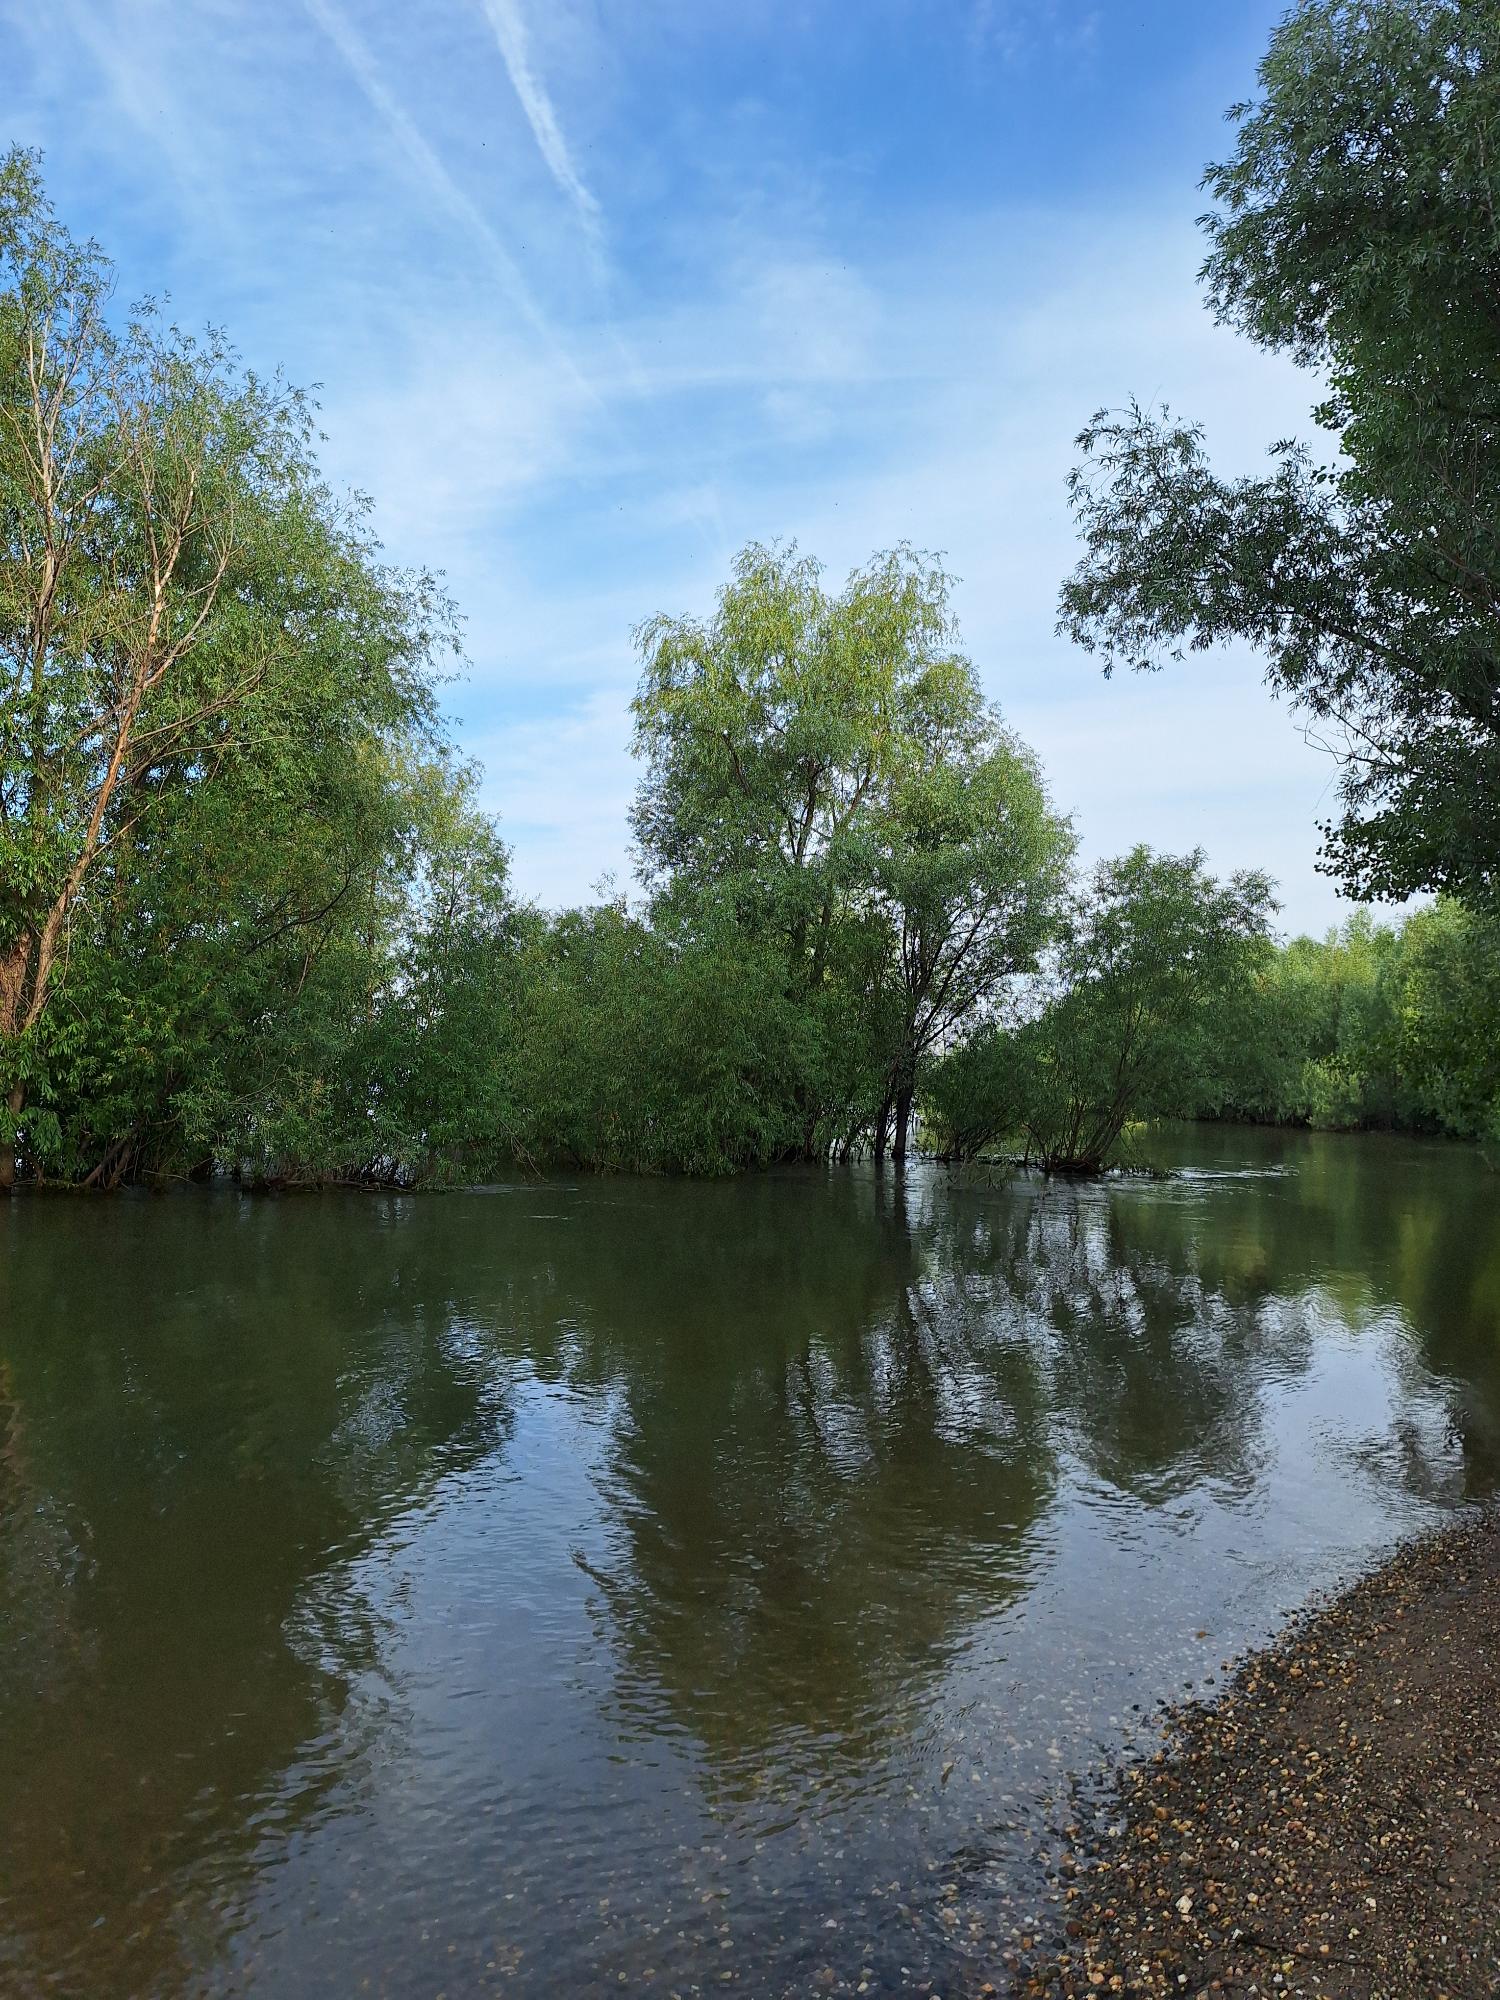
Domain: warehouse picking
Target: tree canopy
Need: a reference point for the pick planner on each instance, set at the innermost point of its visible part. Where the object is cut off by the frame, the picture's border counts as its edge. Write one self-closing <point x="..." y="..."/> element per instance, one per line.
<point x="218" y="733"/>
<point x="1354" y="228"/>
<point x="829" y="765"/>
<point x="1152" y="951"/>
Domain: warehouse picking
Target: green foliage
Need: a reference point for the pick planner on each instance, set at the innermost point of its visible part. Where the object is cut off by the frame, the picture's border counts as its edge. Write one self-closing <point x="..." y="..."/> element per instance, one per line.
<point x="1383" y="1026"/>
<point x="319" y="1003"/>
<point x="1448" y="1005"/>
<point x="642" y="1050"/>
<point x="971" y="864"/>
<point x="1313" y="1040"/>
<point x="210" y="689"/>
<point x="1355" y="230"/>
<point x="1154" y="947"/>
<point x="1374" y="1025"/>
<point x="825" y="768"/>
<point x="766" y="730"/>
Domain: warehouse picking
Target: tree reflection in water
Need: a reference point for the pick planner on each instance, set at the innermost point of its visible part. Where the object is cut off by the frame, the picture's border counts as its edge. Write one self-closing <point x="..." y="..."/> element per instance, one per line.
<point x="638" y="1577"/>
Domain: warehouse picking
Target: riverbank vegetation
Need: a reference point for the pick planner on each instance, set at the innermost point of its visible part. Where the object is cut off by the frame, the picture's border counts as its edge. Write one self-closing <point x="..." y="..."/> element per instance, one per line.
<point x="253" y="918"/>
<point x="1379" y="1026"/>
<point x="1174" y="1001"/>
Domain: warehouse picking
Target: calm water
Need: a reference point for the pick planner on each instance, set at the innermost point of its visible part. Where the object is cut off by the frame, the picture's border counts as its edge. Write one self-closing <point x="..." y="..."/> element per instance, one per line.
<point x="665" y="1588"/>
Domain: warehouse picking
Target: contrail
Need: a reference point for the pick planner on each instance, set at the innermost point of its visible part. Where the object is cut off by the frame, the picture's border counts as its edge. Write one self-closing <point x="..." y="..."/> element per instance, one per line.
<point x="144" y="97"/>
<point x="421" y="155"/>
<point x="509" y="24"/>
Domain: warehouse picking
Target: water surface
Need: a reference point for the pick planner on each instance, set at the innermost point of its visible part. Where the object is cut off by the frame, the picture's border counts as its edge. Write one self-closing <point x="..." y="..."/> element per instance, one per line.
<point x="668" y="1588"/>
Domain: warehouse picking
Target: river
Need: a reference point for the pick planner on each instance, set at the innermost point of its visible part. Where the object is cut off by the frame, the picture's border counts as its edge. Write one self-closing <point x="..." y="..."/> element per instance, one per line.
<point x="663" y="1588"/>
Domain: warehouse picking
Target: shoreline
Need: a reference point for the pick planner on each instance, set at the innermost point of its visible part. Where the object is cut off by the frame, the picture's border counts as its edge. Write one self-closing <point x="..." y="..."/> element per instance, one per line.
<point x="1328" y="1825"/>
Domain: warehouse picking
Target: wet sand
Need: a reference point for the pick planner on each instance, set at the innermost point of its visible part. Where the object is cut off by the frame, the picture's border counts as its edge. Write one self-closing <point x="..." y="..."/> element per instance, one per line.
<point x="1330" y="1825"/>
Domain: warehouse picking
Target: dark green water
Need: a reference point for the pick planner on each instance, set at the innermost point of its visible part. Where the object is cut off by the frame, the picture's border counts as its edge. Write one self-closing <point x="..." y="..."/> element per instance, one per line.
<point x="654" y="1588"/>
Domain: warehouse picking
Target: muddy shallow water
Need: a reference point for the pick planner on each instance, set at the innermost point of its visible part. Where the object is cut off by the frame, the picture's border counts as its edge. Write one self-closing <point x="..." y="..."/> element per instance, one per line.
<point x="658" y="1587"/>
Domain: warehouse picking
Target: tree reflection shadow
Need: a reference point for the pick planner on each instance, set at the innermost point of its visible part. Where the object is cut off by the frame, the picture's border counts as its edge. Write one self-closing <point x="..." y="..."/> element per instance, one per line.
<point x="204" y="1417"/>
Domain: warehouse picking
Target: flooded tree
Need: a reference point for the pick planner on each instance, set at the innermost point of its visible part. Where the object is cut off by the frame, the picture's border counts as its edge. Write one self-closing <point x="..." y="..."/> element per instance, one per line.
<point x="827" y="764"/>
<point x="1153" y="947"/>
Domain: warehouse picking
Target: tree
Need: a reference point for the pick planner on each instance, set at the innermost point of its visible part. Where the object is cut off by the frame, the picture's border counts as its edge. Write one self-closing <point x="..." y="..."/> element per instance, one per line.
<point x="1312" y="1039"/>
<point x="441" y="1076"/>
<point x="1448" y="1004"/>
<point x="768" y="731"/>
<point x="382" y="1044"/>
<point x="825" y="769"/>
<point x="641" y="1050"/>
<point x="222" y="964"/>
<point x="180" y="600"/>
<point x="973" y="863"/>
<point x="1154" y="947"/>
<point x="1355" y="229"/>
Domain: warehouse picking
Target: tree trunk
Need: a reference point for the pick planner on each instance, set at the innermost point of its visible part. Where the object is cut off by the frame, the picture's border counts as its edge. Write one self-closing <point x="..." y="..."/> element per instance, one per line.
<point x="882" y="1131"/>
<point x="903" y="1124"/>
<point x="15" y="1099"/>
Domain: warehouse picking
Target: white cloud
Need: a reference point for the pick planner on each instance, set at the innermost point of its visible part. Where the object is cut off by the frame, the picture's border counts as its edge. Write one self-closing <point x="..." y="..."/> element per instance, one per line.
<point x="1016" y="29"/>
<point x="954" y="429"/>
<point x="562" y="786"/>
<point x="127" y="53"/>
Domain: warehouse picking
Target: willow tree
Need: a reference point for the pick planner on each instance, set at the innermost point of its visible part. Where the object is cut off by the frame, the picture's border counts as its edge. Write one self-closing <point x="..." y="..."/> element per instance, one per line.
<point x="1126" y="1025"/>
<point x="972" y="863"/>
<point x="1354" y="229"/>
<point x="768" y="731"/>
<point x="176" y="586"/>
<point x="825" y="763"/>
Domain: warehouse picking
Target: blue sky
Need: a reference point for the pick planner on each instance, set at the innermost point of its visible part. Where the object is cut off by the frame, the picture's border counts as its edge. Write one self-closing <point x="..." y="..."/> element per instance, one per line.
<point x="595" y="293"/>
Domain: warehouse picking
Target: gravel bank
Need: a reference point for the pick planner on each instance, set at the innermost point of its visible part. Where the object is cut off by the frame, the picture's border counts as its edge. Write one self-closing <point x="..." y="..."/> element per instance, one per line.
<point x="1331" y="1825"/>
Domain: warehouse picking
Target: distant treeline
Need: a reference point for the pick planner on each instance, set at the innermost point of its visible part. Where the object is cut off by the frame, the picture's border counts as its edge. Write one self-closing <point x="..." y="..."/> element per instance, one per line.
<point x="1376" y="1026"/>
<point x="252" y="919"/>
